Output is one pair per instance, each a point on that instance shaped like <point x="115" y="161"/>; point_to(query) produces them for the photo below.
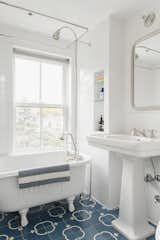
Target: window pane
<point x="27" y="73"/>
<point x="27" y="128"/>
<point x="52" y="129"/>
<point x="52" y="80"/>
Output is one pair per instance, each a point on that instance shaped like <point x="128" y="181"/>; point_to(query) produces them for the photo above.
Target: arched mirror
<point x="145" y="91"/>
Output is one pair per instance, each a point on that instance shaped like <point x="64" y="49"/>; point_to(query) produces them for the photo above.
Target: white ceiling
<point x="83" y="12"/>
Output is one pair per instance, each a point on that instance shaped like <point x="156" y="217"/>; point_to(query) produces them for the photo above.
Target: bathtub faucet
<point x="75" y="149"/>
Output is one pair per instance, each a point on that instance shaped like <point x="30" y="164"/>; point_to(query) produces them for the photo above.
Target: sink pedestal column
<point x="132" y="221"/>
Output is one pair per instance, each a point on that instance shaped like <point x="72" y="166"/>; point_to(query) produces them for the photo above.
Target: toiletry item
<point x="101" y="94"/>
<point x="101" y="124"/>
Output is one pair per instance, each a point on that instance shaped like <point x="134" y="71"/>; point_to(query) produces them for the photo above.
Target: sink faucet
<point x="145" y="133"/>
<point x="75" y="149"/>
<point x="137" y="132"/>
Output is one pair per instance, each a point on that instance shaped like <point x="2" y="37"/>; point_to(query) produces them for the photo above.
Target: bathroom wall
<point x="106" y="168"/>
<point x="141" y="119"/>
<point x="119" y="36"/>
<point x="104" y="54"/>
<point x="35" y="42"/>
<point x="92" y="59"/>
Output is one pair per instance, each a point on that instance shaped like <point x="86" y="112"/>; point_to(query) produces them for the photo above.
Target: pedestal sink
<point x="132" y="221"/>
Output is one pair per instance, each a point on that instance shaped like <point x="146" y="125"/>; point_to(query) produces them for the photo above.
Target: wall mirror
<point x="145" y="91"/>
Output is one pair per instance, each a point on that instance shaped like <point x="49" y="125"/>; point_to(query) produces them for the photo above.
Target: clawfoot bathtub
<point x="12" y="198"/>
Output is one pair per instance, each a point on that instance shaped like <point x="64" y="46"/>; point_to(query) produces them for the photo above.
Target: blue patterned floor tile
<point x="36" y="237"/>
<point x="73" y="232"/>
<point x="32" y="221"/>
<point x="103" y="209"/>
<point x="86" y="203"/>
<point x="83" y="218"/>
<point x="53" y="214"/>
<point x="35" y="230"/>
<point x="53" y="221"/>
<point x="35" y="210"/>
<point x="6" y="217"/>
<point x="55" y="230"/>
<point x="10" y="232"/>
<point x="100" y="232"/>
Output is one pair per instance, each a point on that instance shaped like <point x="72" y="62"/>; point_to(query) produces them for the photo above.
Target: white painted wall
<point x="111" y="51"/>
<point x="105" y="54"/>
<point x="141" y="119"/>
<point x="106" y="183"/>
<point x="92" y="59"/>
<point x="119" y="115"/>
<point x="34" y="42"/>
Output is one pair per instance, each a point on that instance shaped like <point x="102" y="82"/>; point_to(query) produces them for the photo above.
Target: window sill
<point x="16" y="153"/>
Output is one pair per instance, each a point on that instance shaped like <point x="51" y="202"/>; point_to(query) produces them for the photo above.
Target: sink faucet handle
<point x="153" y="133"/>
<point x="133" y="132"/>
<point x="144" y="132"/>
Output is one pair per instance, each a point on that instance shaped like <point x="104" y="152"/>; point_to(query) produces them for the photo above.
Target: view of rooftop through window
<point x="39" y="104"/>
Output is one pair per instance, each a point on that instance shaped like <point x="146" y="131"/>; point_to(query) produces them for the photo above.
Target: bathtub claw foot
<point x="23" y="214"/>
<point x="71" y="204"/>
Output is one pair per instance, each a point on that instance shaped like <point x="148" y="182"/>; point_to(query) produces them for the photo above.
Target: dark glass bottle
<point x="101" y="124"/>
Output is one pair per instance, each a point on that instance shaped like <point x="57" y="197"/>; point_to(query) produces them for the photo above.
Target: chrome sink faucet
<point x="151" y="133"/>
<point x="137" y="132"/>
<point x="75" y="149"/>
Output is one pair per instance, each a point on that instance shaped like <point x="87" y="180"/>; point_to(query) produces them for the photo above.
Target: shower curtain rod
<point x="9" y="36"/>
<point x="44" y="15"/>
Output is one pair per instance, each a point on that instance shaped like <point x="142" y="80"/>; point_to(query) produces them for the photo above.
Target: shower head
<point x="149" y="19"/>
<point x="56" y="35"/>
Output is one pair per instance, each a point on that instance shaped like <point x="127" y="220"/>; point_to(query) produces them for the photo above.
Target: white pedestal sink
<point x="132" y="221"/>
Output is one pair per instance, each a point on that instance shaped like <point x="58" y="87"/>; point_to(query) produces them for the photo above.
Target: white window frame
<point x="42" y="59"/>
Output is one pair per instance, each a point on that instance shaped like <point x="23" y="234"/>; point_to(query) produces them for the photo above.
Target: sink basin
<point x="132" y="221"/>
<point x="126" y="144"/>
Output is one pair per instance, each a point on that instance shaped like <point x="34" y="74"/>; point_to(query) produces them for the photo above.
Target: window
<point x="39" y="104"/>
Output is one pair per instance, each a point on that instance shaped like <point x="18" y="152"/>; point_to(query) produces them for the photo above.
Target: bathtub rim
<point x="14" y="173"/>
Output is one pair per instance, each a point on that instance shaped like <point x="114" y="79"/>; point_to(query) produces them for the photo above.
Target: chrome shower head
<point x="149" y="19"/>
<point x="56" y="35"/>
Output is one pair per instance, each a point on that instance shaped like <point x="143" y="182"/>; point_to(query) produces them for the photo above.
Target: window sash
<point x="40" y="56"/>
<point x="40" y="104"/>
<point x="41" y="147"/>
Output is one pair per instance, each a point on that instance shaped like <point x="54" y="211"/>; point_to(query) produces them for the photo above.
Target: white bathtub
<point x="14" y="199"/>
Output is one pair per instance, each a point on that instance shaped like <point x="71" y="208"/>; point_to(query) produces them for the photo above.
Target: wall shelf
<point x="98" y="100"/>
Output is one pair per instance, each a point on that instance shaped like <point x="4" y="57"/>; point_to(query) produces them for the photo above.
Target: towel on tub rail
<point x="42" y="176"/>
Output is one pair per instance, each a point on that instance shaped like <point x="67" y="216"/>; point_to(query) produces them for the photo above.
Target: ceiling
<point x="83" y="12"/>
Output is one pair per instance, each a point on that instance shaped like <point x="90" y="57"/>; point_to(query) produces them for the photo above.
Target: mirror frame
<point x="132" y="99"/>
